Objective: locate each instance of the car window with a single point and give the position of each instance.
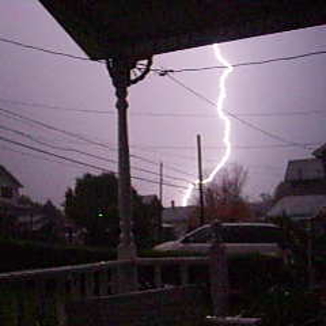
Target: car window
(238, 234)
(201, 236)
(251, 234)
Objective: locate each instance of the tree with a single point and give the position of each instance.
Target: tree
(93, 204)
(223, 197)
(55, 221)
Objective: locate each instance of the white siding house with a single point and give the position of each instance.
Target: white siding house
(302, 193)
(298, 207)
(307, 169)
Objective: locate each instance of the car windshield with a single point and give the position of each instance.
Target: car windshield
(203, 235)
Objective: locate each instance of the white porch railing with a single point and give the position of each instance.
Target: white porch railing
(37, 297)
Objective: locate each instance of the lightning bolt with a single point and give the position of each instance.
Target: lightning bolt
(226, 121)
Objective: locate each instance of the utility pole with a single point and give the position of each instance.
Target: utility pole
(161, 183)
(200, 184)
(310, 266)
(160, 226)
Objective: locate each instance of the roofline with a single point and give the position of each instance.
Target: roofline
(305, 160)
(14, 179)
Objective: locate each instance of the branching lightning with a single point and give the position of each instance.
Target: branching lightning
(226, 121)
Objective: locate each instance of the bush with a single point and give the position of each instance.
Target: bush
(254, 273)
(283, 306)
(22, 255)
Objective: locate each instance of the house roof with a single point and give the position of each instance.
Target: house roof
(148, 199)
(320, 151)
(177, 214)
(4, 173)
(298, 207)
(306, 169)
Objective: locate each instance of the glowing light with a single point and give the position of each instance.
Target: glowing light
(226, 121)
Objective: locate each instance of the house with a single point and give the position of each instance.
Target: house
(23, 218)
(298, 207)
(303, 177)
(9, 188)
(153, 214)
(320, 153)
(302, 193)
(9, 195)
(178, 217)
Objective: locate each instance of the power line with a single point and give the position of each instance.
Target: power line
(169, 167)
(49, 160)
(82, 163)
(281, 113)
(35, 156)
(174, 147)
(169, 71)
(164, 72)
(48, 51)
(56, 129)
(245, 64)
(33, 121)
(162, 114)
(71, 134)
(67, 149)
(239, 147)
(260, 167)
(86, 139)
(245, 122)
(23, 134)
(54, 107)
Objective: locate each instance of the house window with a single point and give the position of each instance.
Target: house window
(7, 192)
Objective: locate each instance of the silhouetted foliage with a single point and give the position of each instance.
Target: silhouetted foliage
(223, 197)
(93, 204)
(282, 305)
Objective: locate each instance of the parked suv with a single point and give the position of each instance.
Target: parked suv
(239, 238)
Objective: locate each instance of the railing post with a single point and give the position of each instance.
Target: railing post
(219, 282)
(103, 282)
(114, 280)
(41, 300)
(184, 274)
(89, 284)
(75, 284)
(158, 276)
(127, 277)
(59, 299)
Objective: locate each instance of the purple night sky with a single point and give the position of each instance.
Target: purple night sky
(284, 98)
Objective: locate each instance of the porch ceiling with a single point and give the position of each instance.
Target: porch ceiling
(141, 28)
